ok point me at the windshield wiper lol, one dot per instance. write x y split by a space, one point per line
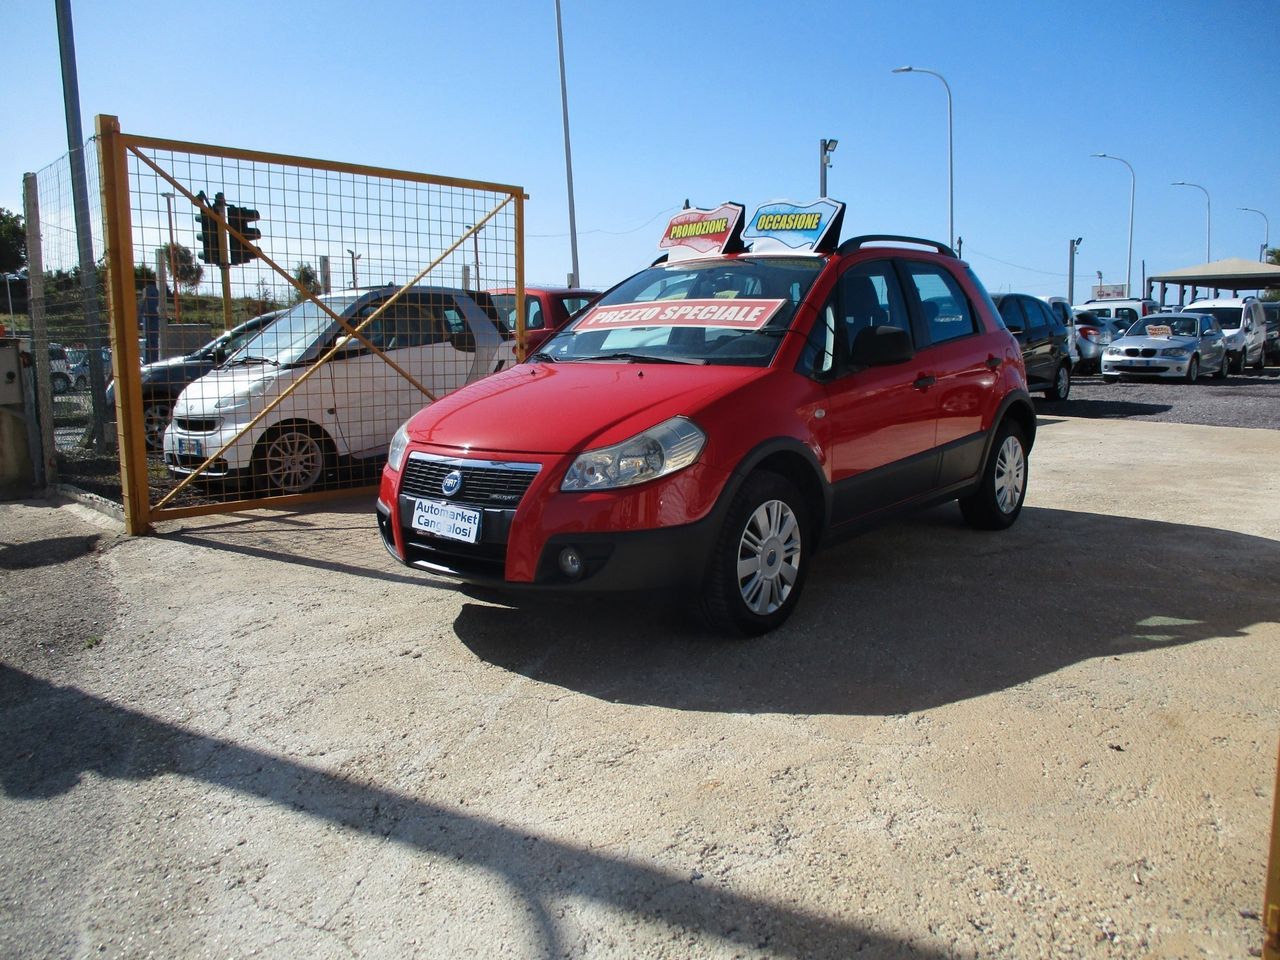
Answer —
274 363
645 358
544 357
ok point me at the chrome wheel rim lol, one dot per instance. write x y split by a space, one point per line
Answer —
769 557
1062 382
1011 474
294 461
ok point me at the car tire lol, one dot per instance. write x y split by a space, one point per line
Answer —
156 413
1221 373
1262 362
997 502
59 383
1193 368
1061 388
760 559
291 458
1237 365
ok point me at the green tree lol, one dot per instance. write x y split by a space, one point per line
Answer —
307 278
187 273
13 242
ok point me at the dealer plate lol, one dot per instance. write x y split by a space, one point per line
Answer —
446 520
188 447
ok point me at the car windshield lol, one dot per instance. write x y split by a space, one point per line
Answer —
1157 325
292 334
722 311
1228 317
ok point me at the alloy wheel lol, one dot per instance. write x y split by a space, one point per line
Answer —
293 461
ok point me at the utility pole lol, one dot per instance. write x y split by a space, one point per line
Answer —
96 335
1071 271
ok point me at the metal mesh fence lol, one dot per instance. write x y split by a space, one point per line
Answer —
74 327
291 314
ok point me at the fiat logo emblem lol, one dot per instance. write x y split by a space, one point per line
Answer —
451 483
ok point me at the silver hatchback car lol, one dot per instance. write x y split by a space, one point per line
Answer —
1178 346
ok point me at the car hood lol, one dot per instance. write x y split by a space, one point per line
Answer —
1157 343
560 408
198 399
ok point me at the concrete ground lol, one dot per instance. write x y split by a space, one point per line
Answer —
256 734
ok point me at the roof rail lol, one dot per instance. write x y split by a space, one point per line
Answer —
856 243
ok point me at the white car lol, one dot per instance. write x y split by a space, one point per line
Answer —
1244 324
1178 346
347 408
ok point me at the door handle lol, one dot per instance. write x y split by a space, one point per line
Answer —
924 382
993 363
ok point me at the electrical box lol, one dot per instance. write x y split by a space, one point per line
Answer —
10 374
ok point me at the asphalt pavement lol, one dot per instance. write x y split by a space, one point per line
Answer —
1254 400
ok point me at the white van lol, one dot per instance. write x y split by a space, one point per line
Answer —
349 407
1244 327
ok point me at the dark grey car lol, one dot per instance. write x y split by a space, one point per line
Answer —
1043 338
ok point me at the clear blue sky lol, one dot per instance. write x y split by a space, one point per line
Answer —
720 101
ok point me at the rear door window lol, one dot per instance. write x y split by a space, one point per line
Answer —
944 306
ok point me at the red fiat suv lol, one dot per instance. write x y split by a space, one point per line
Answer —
718 417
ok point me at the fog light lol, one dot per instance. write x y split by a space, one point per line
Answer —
571 563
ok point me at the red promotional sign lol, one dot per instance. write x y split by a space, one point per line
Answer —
730 314
698 233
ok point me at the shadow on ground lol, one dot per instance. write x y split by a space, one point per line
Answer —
56 735
916 614
1108 409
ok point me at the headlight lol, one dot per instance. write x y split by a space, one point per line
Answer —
656 452
1114 352
241 398
1178 353
399 443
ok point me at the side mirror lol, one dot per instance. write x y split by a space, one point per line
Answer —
880 346
219 355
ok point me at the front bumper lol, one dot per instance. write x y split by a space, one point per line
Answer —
655 535
1169 367
186 448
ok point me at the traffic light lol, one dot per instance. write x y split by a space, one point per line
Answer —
210 242
239 220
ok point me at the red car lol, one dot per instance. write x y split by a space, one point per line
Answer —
719 415
546 310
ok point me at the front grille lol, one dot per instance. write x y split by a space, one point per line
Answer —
487 485
1139 352
198 424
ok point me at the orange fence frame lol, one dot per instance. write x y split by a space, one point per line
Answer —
113 146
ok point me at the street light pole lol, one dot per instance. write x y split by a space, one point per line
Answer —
1208 217
173 262
1133 189
354 257
575 280
1266 235
825 149
951 190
